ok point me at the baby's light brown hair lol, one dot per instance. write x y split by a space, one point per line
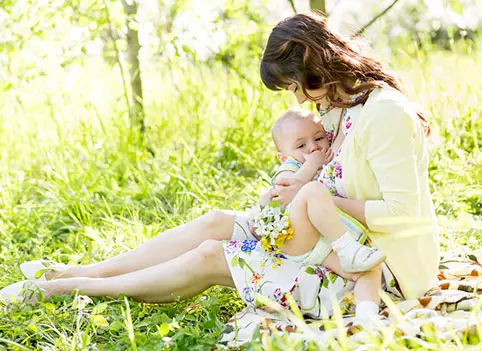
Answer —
291 114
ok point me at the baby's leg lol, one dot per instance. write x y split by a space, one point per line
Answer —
313 212
305 235
368 284
366 291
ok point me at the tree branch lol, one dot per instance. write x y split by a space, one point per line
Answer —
319 5
362 30
118 58
293 7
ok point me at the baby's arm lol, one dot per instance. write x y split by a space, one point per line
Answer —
304 172
313 162
265 199
308 169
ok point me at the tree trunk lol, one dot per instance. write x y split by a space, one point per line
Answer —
133 48
318 5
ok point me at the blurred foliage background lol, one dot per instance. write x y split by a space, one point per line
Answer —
121 119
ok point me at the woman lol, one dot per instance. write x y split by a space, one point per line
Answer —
384 186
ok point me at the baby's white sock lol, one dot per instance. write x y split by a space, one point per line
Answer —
366 309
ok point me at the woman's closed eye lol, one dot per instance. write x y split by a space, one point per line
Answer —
320 138
300 146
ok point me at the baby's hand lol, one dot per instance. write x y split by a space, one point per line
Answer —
265 199
328 156
316 157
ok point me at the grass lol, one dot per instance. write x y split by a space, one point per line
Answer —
76 189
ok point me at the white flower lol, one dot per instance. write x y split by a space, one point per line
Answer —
254 211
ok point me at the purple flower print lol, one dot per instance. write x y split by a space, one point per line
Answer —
319 273
248 294
248 245
233 246
277 295
338 170
330 136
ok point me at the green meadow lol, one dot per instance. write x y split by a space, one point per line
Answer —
78 186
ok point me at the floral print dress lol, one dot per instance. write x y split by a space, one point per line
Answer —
332 174
257 272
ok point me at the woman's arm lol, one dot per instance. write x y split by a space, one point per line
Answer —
355 208
390 142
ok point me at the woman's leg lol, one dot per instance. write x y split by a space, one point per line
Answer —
215 225
182 277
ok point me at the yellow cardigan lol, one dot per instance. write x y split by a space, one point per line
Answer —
385 163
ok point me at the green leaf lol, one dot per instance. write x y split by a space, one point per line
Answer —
40 272
310 270
99 320
211 322
99 308
472 257
332 277
164 329
116 326
456 6
275 203
234 261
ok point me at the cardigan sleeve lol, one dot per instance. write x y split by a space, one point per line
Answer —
389 141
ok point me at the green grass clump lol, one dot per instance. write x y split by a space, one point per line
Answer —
76 187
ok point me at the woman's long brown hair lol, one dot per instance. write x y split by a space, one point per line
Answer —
302 50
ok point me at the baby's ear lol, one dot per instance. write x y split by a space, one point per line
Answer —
282 157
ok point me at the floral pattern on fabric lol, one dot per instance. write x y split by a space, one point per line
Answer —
332 174
256 272
451 308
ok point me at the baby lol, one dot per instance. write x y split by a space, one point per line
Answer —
303 149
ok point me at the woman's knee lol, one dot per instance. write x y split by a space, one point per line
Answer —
209 251
218 224
210 256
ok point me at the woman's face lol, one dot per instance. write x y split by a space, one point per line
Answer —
319 95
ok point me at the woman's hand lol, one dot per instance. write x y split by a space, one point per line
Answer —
286 189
